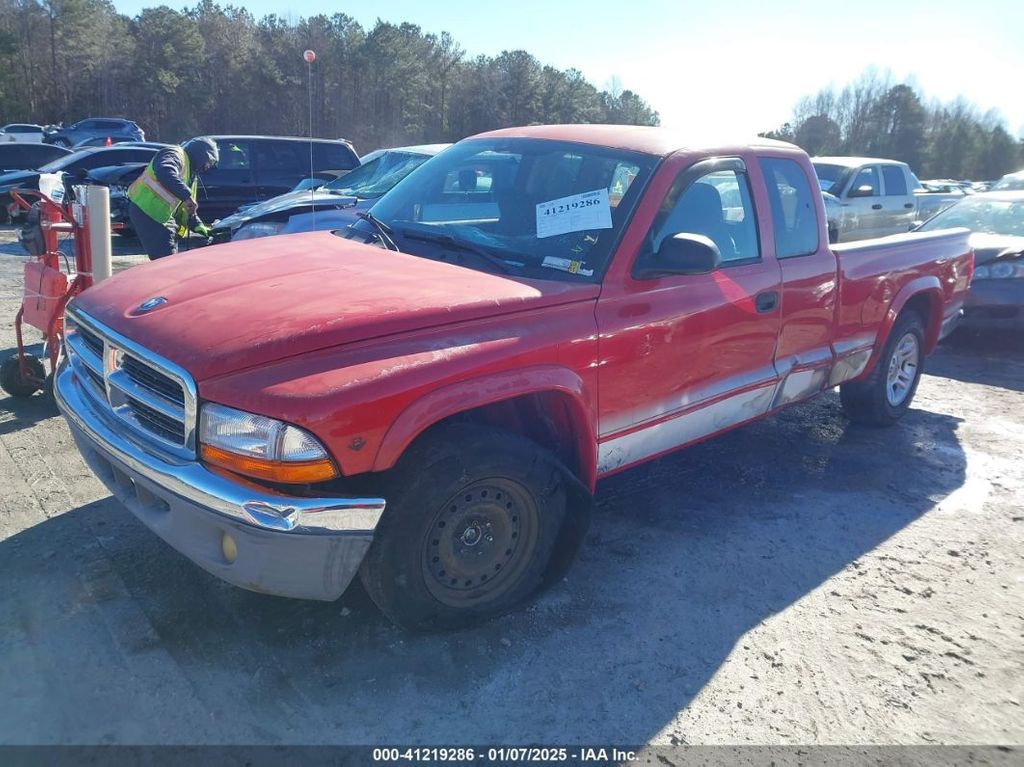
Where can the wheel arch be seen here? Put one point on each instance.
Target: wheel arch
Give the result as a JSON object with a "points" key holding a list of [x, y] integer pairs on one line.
{"points": [[922, 295], [546, 404]]}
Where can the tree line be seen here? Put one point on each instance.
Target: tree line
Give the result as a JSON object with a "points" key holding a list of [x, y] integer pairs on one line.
{"points": [[217, 69], [877, 117]]}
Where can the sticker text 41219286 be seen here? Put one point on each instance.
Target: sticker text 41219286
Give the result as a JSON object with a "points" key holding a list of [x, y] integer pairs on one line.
{"points": [[576, 213]]}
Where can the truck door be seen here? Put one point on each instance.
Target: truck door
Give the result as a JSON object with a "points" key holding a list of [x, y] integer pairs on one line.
{"points": [[799, 244], [685, 356], [863, 204], [898, 202]]}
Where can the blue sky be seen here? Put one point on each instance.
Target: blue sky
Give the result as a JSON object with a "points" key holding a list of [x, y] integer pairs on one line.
{"points": [[734, 67]]}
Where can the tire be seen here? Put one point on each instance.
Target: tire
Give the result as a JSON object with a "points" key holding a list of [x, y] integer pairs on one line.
{"points": [[10, 376], [472, 518], [884, 397]]}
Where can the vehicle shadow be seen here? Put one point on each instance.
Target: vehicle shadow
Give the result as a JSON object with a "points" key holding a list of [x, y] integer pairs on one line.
{"points": [[990, 358], [114, 636], [18, 413]]}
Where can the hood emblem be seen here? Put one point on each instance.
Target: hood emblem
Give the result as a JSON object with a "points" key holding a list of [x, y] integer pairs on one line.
{"points": [[147, 306]]}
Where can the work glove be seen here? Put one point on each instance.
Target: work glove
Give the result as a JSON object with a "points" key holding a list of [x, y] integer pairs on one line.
{"points": [[202, 230]]}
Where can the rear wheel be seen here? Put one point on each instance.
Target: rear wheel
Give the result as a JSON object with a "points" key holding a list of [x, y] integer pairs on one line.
{"points": [[472, 518], [884, 396]]}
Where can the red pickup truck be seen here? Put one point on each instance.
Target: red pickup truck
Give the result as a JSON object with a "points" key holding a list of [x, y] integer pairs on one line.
{"points": [[429, 397]]}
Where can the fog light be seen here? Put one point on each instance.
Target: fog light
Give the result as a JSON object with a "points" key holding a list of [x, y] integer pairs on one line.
{"points": [[228, 548]]}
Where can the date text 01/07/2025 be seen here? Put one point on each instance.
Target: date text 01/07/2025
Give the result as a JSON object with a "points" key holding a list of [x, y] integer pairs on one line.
{"points": [[504, 754]]}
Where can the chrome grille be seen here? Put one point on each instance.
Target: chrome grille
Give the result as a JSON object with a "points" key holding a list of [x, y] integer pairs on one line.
{"points": [[94, 342], [150, 394], [170, 429], [150, 378]]}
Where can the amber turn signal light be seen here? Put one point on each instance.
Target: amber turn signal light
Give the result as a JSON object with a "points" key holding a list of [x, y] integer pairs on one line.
{"points": [[286, 472]]}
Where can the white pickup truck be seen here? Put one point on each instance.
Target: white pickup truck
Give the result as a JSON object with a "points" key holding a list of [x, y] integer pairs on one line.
{"points": [[878, 197]]}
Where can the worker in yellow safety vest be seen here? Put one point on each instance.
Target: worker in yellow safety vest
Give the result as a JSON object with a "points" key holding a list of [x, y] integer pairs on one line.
{"points": [[162, 202]]}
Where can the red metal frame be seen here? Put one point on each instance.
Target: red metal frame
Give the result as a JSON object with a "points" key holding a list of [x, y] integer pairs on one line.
{"points": [[55, 219]]}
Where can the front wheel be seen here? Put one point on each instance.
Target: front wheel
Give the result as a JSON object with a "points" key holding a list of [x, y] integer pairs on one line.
{"points": [[471, 523], [884, 396]]}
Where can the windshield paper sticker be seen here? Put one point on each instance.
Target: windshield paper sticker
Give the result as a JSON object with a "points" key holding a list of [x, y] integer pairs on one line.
{"points": [[565, 265], [577, 213]]}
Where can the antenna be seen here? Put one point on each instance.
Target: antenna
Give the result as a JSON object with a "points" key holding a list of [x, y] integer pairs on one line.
{"points": [[309, 57]]}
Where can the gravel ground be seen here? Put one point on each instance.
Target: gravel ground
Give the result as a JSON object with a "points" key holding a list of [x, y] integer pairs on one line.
{"points": [[798, 581]]}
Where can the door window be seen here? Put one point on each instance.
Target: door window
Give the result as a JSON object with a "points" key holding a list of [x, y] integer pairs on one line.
{"points": [[866, 177], [794, 216], [717, 205], [234, 155], [895, 181], [282, 156]]}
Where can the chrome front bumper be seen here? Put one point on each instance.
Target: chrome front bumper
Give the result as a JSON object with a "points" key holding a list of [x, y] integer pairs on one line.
{"points": [[308, 548]]}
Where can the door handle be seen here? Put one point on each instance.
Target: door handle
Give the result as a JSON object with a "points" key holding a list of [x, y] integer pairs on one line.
{"points": [[876, 206], [908, 205], [766, 302]]}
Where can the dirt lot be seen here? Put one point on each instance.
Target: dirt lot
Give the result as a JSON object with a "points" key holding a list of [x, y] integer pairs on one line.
{"points": [[797, 581]]}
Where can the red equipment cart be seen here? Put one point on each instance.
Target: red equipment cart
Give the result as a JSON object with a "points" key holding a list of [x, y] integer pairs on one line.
{"points": [[47, 291]]}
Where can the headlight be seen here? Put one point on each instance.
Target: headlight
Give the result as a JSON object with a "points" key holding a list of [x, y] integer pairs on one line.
{"points": [[261, 447], [258, 229], [1000, 270]]}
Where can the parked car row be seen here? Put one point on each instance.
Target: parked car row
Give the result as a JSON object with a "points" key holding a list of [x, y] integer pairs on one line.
{"points": [[52, 177], [331, 205], [251, 169]]}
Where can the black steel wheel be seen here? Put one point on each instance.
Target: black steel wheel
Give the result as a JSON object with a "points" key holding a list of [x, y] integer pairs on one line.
{"points": [[10, 376], [479, 542], [473, 514]]}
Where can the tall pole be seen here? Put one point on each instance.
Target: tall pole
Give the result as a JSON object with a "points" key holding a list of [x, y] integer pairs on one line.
{"points": [[310, 57]]}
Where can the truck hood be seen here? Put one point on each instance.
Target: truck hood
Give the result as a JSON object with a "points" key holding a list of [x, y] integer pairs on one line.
{"points": [[286, 202], [238, 305], [989, 247]]}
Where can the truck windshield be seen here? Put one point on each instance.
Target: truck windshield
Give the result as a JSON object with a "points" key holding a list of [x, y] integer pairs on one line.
{"points": [[831, 177], [542, 208]]}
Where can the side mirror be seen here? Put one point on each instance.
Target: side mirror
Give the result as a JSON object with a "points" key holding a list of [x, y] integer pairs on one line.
{"points": [[683, 253], [914, 225], [862, 191]]}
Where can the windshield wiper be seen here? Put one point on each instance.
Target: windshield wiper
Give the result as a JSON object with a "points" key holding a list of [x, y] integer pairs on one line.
{"points": [[450, 242], [384, 231]]}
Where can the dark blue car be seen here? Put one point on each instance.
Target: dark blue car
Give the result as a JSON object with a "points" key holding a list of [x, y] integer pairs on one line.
{"points": [[113, 128]]}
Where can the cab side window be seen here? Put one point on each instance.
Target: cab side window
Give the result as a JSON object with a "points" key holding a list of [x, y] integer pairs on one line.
{"points": [[716, 205], [895, 182], [794, 216]]}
